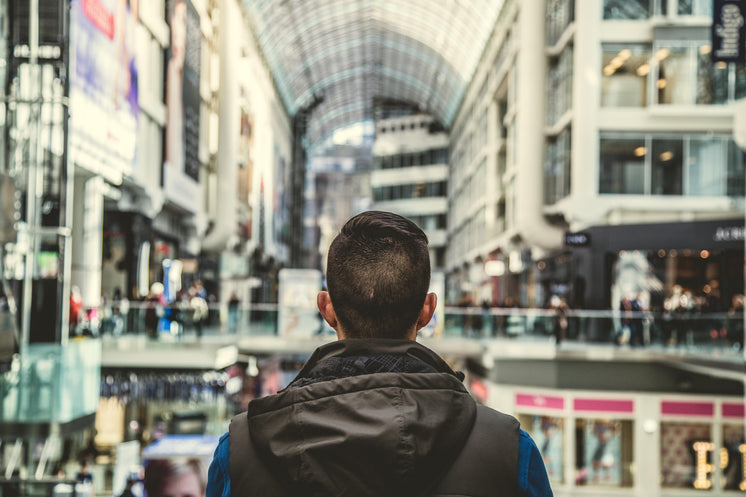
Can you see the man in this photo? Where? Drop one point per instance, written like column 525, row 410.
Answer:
column 375, row 413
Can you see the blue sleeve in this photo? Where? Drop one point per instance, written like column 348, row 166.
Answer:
column 532, row 475
column 219, row 474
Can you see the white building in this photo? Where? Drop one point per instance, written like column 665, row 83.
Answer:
column 630, row 125
column 410, row 174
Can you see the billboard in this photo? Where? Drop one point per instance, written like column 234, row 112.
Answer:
column 104, row 105
column 183, row 102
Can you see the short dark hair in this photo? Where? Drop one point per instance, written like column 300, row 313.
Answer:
column 378, row 275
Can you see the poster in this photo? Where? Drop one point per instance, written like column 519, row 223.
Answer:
column 298, row 315
column 183, row 102
column 603, row 453
column 103, row 85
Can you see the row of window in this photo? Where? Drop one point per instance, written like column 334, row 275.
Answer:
column 431, row 222
column 416, row 190
column 604, row 452
column 644, row 9
column 413, row 159
column 669, row 73
column 671, row 165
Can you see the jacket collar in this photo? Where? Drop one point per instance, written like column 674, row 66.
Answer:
column 372, row 346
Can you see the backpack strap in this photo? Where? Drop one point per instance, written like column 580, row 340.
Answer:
column 249, row 475
column 488, row 464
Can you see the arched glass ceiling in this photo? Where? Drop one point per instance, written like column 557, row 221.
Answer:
column 349, row 52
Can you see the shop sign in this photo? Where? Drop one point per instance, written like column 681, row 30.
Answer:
column 578, row 239
column 729, row 31
column 729, row 234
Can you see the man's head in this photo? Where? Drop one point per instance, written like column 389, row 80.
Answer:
column 378, row 274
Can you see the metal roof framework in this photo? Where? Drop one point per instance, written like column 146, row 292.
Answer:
column 347, row 53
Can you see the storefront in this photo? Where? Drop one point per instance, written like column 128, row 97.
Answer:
column 702, row 261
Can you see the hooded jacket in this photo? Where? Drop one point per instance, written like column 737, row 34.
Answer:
column 373, row 417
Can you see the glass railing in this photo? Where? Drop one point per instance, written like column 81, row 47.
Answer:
column 52, row 383
column 705, row 333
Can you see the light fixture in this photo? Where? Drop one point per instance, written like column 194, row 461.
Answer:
column 640, row 151
column 661, row 83
column 666, row 156
column 704, row 254
column 643, row 70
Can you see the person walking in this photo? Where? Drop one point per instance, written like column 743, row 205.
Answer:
column 375, row 413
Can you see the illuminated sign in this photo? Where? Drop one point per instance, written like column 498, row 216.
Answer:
column 703, row 468
column 579, row 239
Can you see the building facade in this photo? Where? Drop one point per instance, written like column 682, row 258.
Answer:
column 631, row 125
column 410, row 174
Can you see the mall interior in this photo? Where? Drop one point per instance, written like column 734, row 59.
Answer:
column 172, row 173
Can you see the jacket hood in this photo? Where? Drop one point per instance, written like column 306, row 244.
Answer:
column 386, row 433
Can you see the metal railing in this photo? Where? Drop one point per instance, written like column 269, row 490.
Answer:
column 705, row 333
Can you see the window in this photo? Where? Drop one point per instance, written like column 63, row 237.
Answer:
column 557, row 168
column 732, row 456
column 704, row 180
column 559, row 86
column 560, row 13
column 676, row 80
column 622, row 166
column 686, row 75
column 694, row 7
column 667, row 160
column 704, row 165
column 735, row 170
column 626, row 9
column 548, row 433
column 603, row 454
column 685, row 446
column 625, row 76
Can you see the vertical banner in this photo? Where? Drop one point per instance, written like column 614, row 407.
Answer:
column 729, row 31
column 103, row 84
column 183, row 102
column 298, row 316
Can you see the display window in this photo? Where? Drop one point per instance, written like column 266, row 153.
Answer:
column 733, row 457
column 604, row 452
column 549, row 433
column 686, row 455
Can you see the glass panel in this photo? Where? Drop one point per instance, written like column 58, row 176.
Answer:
column 740, row 90
column 603, row 454
column 736, row 161
column 548, row 433
column 685, row 7
column 676, row 79
column 705, row 168
column 732, row 457
column 685, row 450
column 622, row 165
column 712, row 79
column 624, row 81
column 626, row 9
column 667, row 160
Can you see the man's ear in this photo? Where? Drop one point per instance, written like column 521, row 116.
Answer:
column 428, row 308
column 324, row 303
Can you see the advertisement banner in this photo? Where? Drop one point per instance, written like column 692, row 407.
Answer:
column 298, row 315
column 183, row 101
column 103, row 85
column 729, row 31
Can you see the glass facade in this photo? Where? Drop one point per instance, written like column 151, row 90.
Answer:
column 696, row 165
column 559, row 86
column 410, row 191
column 414, row 159
column 624, row 79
